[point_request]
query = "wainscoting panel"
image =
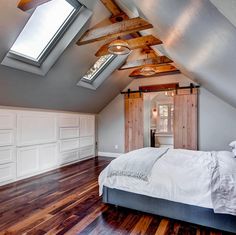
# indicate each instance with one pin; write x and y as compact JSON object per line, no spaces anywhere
{"x":86,"y":141}
{"x":6,"y":137}
{"x":47,"y":156}
{"x":67,"y":145}
{"x":7,"y":172}
{"x":87,"y":123}
{"x":27,"y":161}
{"x":36,"y":128}
{"x":68,"y":133}
{"x":68,"y":157}
{"x":68,"y":120}
{"x":33,"y":142}
{"x":7,"y":155}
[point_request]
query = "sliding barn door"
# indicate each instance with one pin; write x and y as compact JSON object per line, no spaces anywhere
{"x":185,"y":119}
{"x":133,"y":121}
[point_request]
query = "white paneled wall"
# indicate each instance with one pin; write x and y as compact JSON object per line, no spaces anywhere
{"x":33,"y":142}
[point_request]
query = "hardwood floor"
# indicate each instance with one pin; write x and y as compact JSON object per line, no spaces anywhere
{"x":66,"y":201}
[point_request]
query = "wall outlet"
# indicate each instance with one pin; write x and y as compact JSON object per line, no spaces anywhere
{"x":116,"y":146}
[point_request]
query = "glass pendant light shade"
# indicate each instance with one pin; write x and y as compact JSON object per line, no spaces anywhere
{"x":147,"y":70}
{"x":119,"y":47}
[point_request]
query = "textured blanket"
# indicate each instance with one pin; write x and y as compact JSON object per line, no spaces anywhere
{"x":137,"y":164}
{"x":223,"y":184}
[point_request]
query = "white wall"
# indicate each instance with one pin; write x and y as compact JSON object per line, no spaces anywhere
{"x":216,"y":119}
{"x":111,"y":123}
{"x":217,"y":122}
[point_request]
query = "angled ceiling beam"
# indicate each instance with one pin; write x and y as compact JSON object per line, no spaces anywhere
{"x":134,"y":43}
{"x":117,"y":14}
{"x":114,"y":30}
{"x":160,"y":70}
{"x":26,"y":5}
{"x":138,"y":63}
{"x":112,"y":7}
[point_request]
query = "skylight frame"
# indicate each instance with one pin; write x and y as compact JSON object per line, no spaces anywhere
{"x":54,"y":40}
{"x":103,"y":66}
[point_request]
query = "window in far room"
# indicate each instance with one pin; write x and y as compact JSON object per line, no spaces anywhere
{"x":166,"y":115}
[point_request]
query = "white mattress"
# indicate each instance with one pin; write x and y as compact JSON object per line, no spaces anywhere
{"x":181,"y":175}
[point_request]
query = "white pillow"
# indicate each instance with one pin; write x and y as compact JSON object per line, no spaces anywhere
{"x":226,"y":159}
{"x":233,"y":147}
{"x":234,"y":152}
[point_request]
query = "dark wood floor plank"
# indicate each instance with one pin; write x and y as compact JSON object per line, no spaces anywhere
{"x":66,"y":201}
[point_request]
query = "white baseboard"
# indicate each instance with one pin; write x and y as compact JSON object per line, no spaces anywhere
{"x":107,"y":154}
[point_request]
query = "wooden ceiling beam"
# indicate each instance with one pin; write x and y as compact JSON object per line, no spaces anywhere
{"x":160,"y":70}
{"x":134,"y":43}
{"x":112,"y":7}
{"x":26,"y":5}
{"x":152,"y":61}
{"x":117,"y":14}
{"x":114,"y":30}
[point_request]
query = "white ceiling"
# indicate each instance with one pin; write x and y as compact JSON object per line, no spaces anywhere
{"x":196,"y":35}
{"x":199,"y":38}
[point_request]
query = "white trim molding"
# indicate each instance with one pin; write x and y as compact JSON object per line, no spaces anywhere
{"x":107,"y":154}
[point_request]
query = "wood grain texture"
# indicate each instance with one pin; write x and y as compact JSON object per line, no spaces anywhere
{"x":137,"y":63}
{"x":159,"y":69}
{"x":133,"y":121}
{"x":66,"y":201}
{"x":115,"y":30}
{"x":134,"y":43}
{"x":26,"y":5}
{"x":112,"y":7}
{"x":185,"y":119}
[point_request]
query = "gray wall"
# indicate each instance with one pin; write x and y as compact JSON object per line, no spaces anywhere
{"x":111,"y":127}
{"x":216,"y":119}
{"x":217,"y":122}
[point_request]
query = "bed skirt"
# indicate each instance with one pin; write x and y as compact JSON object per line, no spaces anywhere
{"x":174,"y":210}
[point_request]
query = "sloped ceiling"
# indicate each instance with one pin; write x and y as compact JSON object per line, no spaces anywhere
{"x":199,"y":38}
{"x":196,"y":35}
{"x":57,"y":90}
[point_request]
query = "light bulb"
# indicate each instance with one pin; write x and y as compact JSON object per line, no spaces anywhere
{"x":118,"y":47}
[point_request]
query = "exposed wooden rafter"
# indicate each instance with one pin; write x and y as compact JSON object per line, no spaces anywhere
{"x":115,"y":30}
{"x":117,"y":14}
{"x":26,"y":5}
{"x":134,"y":43}
{"x":160,"y":70}
{"x":112,"y":7}
{"x":151,"y":61}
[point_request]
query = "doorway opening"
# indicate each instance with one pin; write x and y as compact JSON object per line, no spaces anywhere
{"x":162,"y":120}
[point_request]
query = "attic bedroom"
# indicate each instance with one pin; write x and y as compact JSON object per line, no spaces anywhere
{"x":118,"y":117}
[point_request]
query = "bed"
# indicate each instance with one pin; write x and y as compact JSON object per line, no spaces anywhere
{"x":193,"y":186}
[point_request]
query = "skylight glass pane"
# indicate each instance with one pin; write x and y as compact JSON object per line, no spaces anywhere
{"x":42,"y":27}
{"x":100,"y":64}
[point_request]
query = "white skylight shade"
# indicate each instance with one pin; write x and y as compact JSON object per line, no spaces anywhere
{"x":42,"y":28}
{"x":99,"y":65}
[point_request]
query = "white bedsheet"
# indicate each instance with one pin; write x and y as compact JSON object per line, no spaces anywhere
{"x":180,"y":175}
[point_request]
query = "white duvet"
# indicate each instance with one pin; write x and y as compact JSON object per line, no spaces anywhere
{"x":180,"y":175}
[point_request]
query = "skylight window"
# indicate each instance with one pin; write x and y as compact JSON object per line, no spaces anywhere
{"x":98,"y":67}
{"x":44,"y":28}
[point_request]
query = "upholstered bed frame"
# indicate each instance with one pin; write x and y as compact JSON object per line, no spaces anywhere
{"x":179,"y":211}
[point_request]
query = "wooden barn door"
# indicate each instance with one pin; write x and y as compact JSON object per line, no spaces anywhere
{"x":133,"y":121}
{"x":185,"y":119}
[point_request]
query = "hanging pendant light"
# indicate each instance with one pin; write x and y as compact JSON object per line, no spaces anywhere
{"x":147,"y":70}
{"x":119,"y":47}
